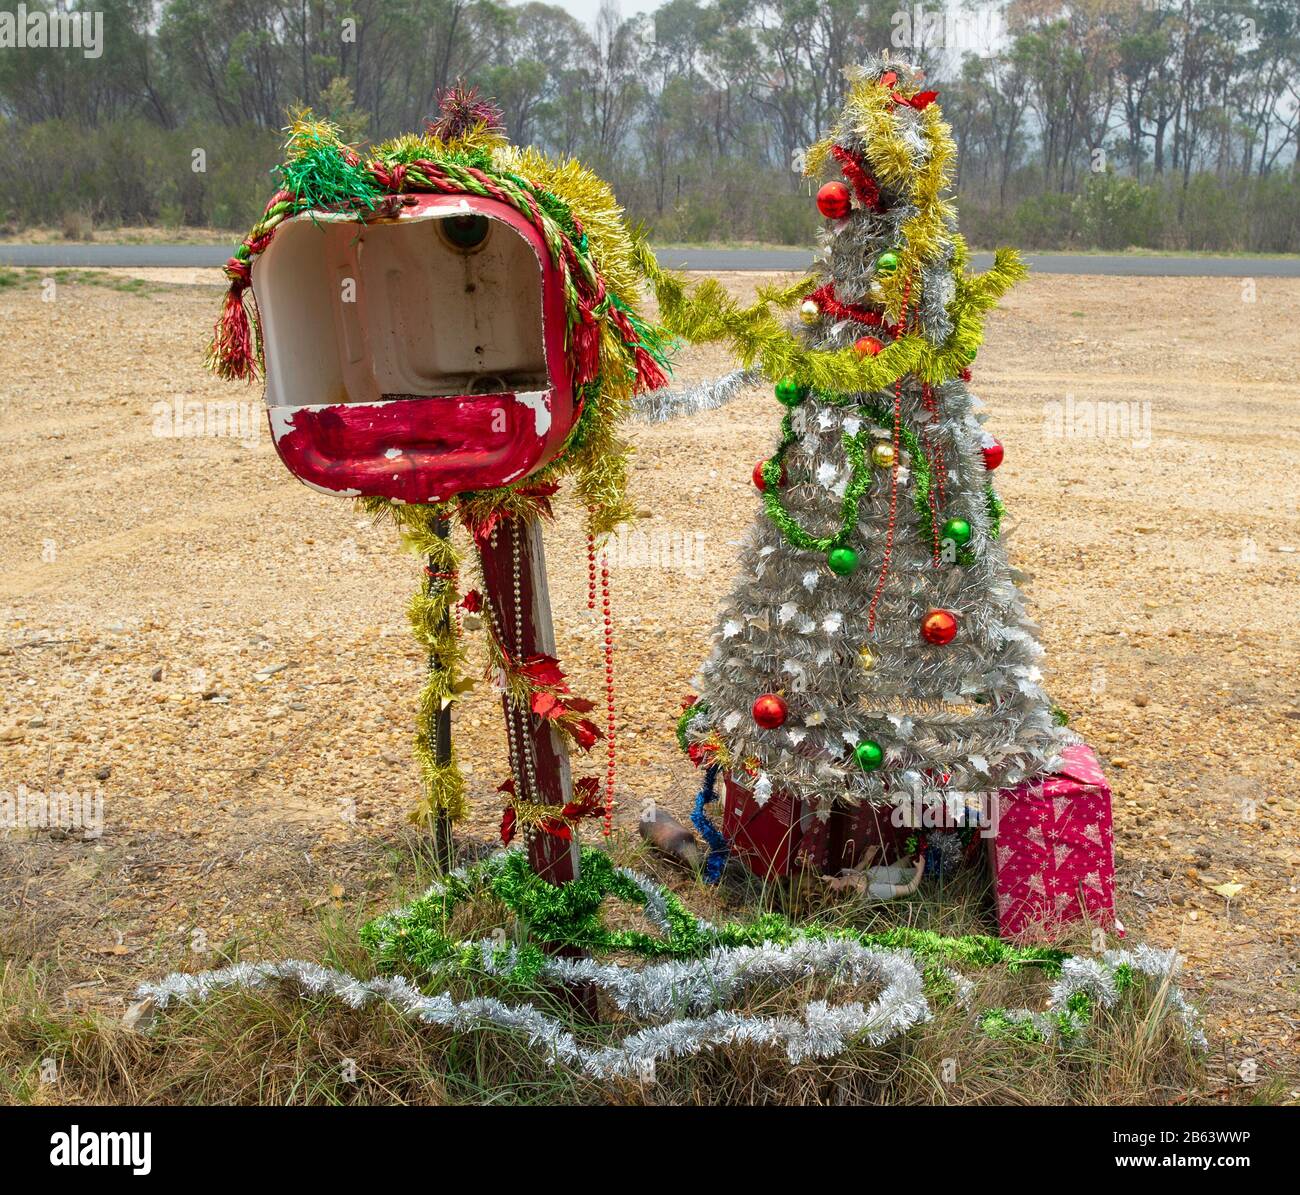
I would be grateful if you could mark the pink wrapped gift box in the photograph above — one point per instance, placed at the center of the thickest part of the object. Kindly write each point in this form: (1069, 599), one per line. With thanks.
(1052, 856)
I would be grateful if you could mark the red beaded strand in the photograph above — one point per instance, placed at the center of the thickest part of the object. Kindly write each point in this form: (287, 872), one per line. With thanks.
(934, 452)
(893, 474)
(893, 507)
(609, 695)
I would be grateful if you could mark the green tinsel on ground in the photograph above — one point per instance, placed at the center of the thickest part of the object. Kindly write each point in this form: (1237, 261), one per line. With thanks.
(414, 939)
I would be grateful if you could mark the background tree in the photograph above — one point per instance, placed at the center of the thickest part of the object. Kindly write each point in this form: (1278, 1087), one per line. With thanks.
(694, 111)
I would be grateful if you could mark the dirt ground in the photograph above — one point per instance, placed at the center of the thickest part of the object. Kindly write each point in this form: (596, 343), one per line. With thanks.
(146, 579)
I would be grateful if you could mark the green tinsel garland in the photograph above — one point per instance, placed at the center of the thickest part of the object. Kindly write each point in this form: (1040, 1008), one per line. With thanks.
(924, 482)
(415, 938)
(320, 177)
(683, 723)
(1066, 1025)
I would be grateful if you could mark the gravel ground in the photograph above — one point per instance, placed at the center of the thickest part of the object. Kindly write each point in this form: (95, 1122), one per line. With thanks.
(146, 581)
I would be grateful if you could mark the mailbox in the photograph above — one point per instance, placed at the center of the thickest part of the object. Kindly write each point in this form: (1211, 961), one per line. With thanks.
(417, 356)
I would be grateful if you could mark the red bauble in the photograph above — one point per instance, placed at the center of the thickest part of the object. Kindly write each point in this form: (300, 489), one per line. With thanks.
(770, 711)
(758, 476)
(834, 201)
(868, 346)
(993, 455)
(939, 626)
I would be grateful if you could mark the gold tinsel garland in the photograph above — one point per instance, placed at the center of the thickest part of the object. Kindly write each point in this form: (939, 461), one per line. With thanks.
(759, 339)
(430, 616)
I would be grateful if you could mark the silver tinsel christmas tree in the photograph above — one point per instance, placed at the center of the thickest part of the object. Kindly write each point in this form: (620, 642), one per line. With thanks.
(875, 646)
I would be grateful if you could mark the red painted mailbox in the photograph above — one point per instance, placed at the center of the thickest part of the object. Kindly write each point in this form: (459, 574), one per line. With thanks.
(431, 320)
(415, 357)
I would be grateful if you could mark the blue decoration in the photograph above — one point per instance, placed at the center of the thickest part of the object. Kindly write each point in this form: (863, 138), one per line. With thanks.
(719, 847)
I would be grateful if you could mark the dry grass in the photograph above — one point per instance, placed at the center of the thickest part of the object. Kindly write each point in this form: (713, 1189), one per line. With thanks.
(273, 1048)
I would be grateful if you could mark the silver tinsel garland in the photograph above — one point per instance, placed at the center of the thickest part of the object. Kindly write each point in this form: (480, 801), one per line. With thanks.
(820, 1031)
(1095, 978)
(658, 406)
(685, 999)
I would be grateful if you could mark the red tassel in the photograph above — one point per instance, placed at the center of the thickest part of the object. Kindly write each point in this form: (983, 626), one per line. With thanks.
(648, 374)
(586, 346)
(231, 354)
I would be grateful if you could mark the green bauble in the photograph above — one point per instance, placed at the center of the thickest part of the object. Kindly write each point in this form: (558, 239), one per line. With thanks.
(789, 393)
(971, 354)
(887, 262)
(842, 561)
(957, 530)
(869, 755)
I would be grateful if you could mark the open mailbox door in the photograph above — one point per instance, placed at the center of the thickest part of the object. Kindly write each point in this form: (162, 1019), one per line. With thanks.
(414, 357)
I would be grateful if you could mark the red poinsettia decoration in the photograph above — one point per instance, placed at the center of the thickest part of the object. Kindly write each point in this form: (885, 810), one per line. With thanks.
(542, 669)
(472, 602)
(585, 803)
(700, 753)
(920, 101)
(552, 700)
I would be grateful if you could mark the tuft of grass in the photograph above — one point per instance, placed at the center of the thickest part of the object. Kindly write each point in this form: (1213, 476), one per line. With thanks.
(29, 277)
(268, 1047)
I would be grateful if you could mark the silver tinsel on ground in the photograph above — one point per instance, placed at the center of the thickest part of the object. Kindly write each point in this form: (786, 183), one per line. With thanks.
(1095, 978)
(658, 406)
(685, 999)
(821, 1030)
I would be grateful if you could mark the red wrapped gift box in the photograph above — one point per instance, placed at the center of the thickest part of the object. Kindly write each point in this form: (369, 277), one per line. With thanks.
(1052, 855)
(782, 834)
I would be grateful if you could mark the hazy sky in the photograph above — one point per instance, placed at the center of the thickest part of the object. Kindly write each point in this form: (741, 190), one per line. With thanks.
(585, 10)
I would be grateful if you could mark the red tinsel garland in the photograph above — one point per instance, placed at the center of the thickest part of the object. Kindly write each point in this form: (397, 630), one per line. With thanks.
(828, 304)
(864, 186)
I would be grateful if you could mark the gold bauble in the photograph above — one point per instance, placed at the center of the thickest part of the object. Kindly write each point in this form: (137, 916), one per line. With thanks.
(809, 311)
(868, 658)
(882, 454)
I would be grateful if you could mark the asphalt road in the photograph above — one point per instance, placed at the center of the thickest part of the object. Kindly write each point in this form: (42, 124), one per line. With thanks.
(189, 256)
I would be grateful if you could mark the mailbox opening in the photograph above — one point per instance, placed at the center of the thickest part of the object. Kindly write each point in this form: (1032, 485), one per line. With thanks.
(414, 357)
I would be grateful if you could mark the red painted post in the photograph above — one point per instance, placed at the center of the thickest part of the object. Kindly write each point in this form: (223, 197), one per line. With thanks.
(514, 577)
